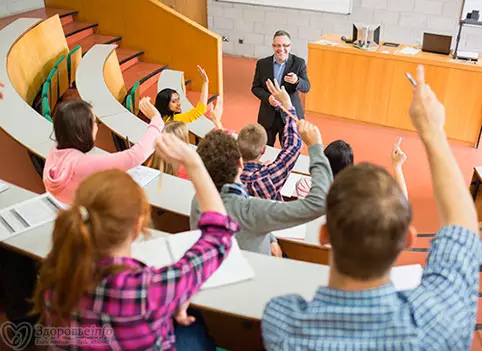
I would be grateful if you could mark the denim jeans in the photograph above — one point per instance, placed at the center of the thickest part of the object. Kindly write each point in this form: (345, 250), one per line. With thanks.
(194, 337)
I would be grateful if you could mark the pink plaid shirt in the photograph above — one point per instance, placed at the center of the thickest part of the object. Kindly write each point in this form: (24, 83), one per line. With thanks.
(135, 307)
(266, 181)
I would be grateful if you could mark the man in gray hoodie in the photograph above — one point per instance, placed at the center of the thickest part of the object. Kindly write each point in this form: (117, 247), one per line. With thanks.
(259, 217)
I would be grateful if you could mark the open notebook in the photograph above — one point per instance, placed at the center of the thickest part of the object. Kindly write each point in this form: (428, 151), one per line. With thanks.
(165, 251)
(143, 175)
(289, 188)
(27, 215)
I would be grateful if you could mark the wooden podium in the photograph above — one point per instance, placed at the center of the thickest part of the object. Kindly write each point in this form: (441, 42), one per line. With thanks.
(371, 87)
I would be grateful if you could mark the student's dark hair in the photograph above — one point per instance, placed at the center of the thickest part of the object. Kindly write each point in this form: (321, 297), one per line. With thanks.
(73, 125)
(340, 155)
(367, 218)
(220, 154)
(281, 33)
(163, 99)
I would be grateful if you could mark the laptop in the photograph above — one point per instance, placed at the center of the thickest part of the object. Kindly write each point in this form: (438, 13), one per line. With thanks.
(437, 43)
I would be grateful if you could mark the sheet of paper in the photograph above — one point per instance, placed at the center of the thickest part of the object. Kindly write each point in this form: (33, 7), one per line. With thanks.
(298, 232)
(289, 189)
(26, 215)
(143, 175)
(153, 252)
(406, 277)
(409, 51)
(3, 186)
(234, 269)
(326, 42)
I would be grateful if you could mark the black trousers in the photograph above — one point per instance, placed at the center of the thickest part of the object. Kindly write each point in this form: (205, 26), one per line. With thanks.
(277, 128)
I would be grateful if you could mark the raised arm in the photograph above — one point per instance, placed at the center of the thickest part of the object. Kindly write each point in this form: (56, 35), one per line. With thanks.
(202, 260)
(126, 159)
(454, 203)
(203, 99)
(451, 275)
(263, 216)
(398, 159)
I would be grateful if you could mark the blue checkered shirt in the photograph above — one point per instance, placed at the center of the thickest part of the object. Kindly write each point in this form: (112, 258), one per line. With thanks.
(439, 315)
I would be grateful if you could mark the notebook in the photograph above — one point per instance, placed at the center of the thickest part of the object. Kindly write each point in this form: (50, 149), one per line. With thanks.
(143, 175)
(27, 215)
(162, 252)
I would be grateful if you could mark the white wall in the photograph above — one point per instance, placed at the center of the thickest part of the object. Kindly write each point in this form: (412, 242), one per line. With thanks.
(402, 21)
(11, 7)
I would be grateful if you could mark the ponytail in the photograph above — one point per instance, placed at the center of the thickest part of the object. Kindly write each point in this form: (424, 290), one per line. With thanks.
(70, 266)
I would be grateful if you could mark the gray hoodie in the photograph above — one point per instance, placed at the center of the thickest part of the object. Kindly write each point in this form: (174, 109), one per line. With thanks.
(259, 217)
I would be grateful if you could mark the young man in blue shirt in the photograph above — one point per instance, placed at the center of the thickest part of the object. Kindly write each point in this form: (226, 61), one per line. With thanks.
(368, 225)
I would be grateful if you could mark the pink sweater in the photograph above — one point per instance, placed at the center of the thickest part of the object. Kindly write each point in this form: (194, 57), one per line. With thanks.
(65, 169)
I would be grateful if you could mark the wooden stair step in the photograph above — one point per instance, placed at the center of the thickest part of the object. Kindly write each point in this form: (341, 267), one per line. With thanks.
(140, 71)
(76, 27)
(125, 55)
(87, 42)
(43, 13)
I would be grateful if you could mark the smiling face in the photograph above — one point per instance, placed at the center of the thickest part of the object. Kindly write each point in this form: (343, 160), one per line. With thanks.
(281, 47)
(175, 103)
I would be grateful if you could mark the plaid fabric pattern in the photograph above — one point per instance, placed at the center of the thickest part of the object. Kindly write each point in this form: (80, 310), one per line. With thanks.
(438, 315)
(266, 181)
(139, 302)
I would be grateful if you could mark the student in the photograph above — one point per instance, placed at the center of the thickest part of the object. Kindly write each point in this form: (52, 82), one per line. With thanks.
(168, 103)
(89, 278)
(179, 130)
(259, 217)
(70, 162)
(368, 224)
(266, 180)
(398, 159)
(340, 155)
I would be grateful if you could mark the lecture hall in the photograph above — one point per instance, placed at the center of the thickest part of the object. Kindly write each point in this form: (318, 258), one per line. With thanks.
(237, 175)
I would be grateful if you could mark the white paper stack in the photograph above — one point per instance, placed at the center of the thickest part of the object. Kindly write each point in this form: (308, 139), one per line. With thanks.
(166, 251)
(26, 215)
(143, 175)
(289, 189)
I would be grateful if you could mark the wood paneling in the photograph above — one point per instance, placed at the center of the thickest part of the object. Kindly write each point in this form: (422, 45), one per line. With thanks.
(195, 10)
(34, 55)
(371, 87)
(113, 77)
(166, 36)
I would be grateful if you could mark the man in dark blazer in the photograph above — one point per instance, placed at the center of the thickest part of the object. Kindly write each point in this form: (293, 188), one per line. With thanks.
(290, 71)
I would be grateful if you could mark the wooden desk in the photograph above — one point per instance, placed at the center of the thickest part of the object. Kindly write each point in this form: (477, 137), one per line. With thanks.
(371, 87)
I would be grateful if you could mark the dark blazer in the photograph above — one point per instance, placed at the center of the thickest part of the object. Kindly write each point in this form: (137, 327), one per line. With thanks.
(264, 71)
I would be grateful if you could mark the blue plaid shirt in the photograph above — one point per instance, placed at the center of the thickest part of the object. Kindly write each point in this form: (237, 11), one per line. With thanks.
(439, 315)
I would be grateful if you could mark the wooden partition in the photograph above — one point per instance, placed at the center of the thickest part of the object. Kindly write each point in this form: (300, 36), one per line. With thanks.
(165, 36)
(113, 77)
(34, 55)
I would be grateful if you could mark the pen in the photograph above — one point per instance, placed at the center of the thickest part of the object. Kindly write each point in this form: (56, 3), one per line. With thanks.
(410, 78)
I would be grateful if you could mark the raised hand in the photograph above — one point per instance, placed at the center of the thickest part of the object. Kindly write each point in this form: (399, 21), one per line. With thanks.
(218, 112)
(147, 108)
(426, 112)
(291, 78)
(398, 156)
(203, 74)
(310, 134)
(279, 94)
(173, 150)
